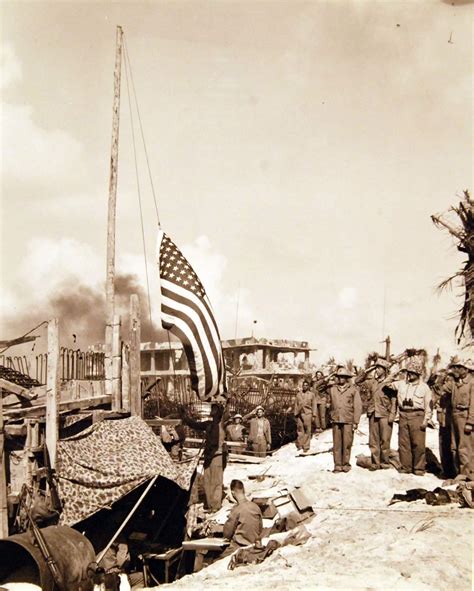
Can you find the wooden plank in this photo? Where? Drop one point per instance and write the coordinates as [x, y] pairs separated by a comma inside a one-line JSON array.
[[3, 481], [116, 365], [160, 422], [18, 341], [15, 430], [16, 389], [135, 378], [205, 544], [52, 390], [39, 410], [199, 441], [125, 377], [232, 457]]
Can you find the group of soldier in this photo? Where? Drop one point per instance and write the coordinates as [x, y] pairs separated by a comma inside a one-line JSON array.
[[336, 401], [403, 397]]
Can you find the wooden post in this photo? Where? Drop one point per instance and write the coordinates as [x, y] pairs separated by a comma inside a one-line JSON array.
[[3, 478], [52, 390], [125, 378], [116, 365], [387, 348], [110, 279], [135, 382]]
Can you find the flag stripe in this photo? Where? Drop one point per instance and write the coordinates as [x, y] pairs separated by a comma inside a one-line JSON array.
[[187, 312], [191, 348], [208, 364], [179, 312], [182, 296], [208, 306], [188, 349]]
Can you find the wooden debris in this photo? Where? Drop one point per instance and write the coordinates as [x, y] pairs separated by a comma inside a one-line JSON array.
[[16, 389], [233, 457]]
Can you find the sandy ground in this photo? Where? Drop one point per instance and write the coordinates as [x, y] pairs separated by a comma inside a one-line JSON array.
[[357, 540]]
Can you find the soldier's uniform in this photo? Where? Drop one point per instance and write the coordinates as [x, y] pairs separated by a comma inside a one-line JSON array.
[[443, 389], [320, 408], [214, 461], [345, 411], [381, 407], [260, 435], [462, 436], [305, 408], [414, 401], [235, 431]]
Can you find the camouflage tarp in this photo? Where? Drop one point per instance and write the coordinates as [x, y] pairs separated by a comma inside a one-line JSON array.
[[109, 459]]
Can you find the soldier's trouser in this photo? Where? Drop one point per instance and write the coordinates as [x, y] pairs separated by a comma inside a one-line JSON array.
[[320, 416], [303, 430], [411, 441], [380, 433], [212, 481], [342, 437], [462, 445], [260, 447], [446, 452]]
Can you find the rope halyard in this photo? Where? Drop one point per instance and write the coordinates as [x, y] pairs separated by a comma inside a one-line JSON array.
[[127, 69], [127, 57]]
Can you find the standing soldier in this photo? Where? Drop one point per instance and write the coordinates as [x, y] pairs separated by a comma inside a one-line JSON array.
[[462, 403], [381, 412], [260, 434], [320, 402], [214, 461], [304, 409], [442, 387], [414, 401], [346, 408], [235, 431]]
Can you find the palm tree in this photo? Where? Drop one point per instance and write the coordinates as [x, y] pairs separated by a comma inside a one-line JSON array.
[[461, 226]]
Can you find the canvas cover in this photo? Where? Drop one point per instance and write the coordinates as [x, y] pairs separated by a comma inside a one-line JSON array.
[[98, 466]]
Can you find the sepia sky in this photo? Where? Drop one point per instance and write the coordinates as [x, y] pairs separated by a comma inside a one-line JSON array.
[[297, 151]]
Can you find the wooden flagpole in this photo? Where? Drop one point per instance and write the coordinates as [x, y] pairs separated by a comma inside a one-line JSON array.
[[112, 386]]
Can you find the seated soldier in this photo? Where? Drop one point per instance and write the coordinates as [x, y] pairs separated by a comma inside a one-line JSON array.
[[244, 524]]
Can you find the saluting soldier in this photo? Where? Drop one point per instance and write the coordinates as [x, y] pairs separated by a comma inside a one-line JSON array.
[[381, 407], [260, 433], [235, 431], [320, 401], [303, 410], [414, 402], [345, 411]]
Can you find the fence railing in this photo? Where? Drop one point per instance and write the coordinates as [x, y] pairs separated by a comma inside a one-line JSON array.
[[74, 364]]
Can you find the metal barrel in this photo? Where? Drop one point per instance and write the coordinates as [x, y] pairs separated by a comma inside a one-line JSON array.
[[22, 561]]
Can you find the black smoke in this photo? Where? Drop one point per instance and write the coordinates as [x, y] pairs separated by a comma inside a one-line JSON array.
[[81, 313]]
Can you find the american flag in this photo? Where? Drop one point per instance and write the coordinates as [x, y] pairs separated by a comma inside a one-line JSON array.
[[187, 313]]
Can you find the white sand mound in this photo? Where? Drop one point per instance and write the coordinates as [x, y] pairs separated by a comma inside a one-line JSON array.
[[358, 541]]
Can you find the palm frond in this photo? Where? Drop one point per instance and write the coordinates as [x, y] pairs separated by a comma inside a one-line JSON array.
[[447, 283]]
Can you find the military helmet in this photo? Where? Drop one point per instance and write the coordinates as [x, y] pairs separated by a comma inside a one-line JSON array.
[[382, 363], [414, 367], [457, 362], [469, 364], [344, 372]]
